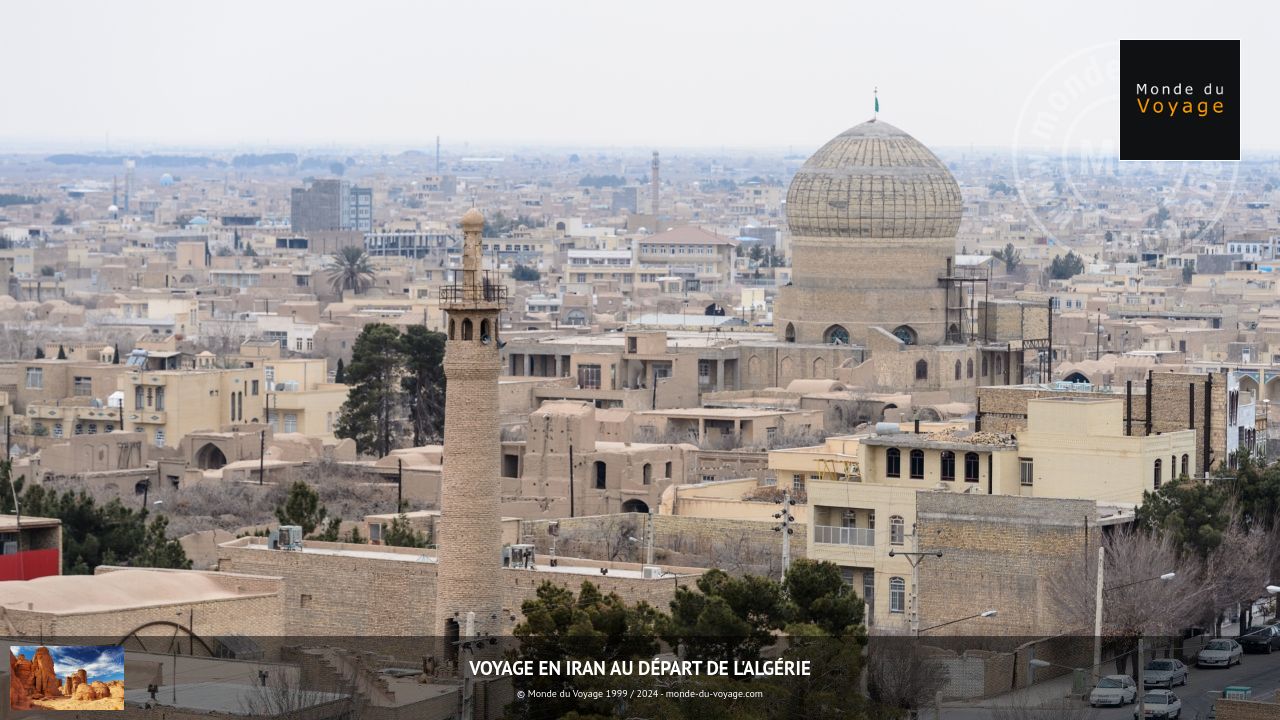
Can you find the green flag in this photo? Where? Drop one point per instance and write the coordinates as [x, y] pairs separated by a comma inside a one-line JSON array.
[[877, 103]]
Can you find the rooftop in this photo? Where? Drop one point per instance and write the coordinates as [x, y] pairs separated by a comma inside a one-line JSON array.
[[113, 591]]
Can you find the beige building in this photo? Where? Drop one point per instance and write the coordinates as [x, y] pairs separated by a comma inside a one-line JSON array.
[[166, 405]]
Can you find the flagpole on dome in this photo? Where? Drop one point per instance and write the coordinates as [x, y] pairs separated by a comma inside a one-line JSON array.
[[876, 94]]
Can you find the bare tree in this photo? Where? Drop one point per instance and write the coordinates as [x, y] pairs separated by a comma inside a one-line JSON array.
[[1236, 571], [900, 675], [282, 695], [1136, 603]]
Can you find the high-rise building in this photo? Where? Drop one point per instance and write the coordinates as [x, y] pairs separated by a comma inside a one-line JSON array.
[[331, 204]]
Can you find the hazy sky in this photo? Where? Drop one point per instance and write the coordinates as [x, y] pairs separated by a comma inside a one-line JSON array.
[[693, 73]]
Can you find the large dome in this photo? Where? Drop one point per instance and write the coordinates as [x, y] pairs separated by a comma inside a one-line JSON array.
[[874, 181]]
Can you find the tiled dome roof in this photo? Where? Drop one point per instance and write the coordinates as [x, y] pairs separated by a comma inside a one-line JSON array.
[[874, 181]]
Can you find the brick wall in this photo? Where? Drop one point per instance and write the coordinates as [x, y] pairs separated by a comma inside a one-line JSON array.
[[1247, 710], [998, 553]]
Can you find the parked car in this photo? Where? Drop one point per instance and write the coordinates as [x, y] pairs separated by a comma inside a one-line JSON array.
[[1164, 673], [1263, 639], [1222, 652], [1160, 704], [1114, 690]]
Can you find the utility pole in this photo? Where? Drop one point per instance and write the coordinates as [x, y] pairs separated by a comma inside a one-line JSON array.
[[571, 480], [399, 484], [784, 526], [262, 455], [1142, 705], [1097, 617], [648, 540], [915, 557]]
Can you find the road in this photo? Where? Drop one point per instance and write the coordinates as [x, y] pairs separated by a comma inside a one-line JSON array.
[[1260, 672]]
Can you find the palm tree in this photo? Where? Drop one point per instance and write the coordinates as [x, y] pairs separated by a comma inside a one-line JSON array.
[[350, 270]]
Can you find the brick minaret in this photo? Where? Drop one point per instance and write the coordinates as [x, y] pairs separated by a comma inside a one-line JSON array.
[[470, 538]]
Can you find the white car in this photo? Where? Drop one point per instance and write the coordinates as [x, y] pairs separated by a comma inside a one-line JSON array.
[[1164, 673], [1114, 690], [1160, 704], [1222, 652]]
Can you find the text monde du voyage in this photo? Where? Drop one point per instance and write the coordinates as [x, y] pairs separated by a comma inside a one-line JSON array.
[[1180, 99]]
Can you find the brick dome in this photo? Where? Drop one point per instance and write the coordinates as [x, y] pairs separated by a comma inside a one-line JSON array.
[[874, 181]]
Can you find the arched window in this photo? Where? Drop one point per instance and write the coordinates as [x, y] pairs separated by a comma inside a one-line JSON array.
[[1185, 461], [953, 333], [790, 333], [897, 595], [893, 463], [922, 369], [948, 465], [917, 464], [648, 474], [484, 331], [466, 329], [1157, 474], [897, 530], [968, 371], [971, 467], [836, 335], [957, 369], [906, 334], [984, 366], [999, 364], [453, 332], [600, 475]]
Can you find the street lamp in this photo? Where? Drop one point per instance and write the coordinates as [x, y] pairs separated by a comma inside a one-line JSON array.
[[1097, 613], [983, 614], [1273, 589]]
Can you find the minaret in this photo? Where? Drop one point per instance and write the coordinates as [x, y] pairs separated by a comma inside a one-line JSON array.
[[653, 187], [470, 537]]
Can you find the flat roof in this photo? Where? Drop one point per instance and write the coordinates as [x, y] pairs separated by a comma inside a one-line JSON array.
[[113, 591], [715, 413], [384, 554], [9, 523]]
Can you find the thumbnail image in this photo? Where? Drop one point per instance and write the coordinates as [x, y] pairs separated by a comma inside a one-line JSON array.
[[66, 677]]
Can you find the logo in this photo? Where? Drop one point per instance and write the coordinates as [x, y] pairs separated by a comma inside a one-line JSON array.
[[1179, 99]]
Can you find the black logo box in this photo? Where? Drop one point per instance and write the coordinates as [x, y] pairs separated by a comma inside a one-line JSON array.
[[1188, 65]]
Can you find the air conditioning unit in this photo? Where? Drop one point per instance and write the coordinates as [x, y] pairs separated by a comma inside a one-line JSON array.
[[651, 572], [290, 537]]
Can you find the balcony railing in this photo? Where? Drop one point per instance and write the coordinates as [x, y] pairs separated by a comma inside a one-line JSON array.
[[485, 292], [832, 535]]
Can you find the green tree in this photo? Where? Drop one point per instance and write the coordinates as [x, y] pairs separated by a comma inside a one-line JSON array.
[[249, 251], [1066, 266], [591, 626], [340, 374], [62, 353], [62, 218], [1010, 255], [726, 618], [39, 353], [94, 534], [115, 357], [423, 383], [351, 269], [1255, 490], [400, 533], [525, 273], [47, 271], [369, 414], [302, 507], [822, 598], [1193, 512]]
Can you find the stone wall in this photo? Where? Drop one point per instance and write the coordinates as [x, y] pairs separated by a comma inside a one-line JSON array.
[[736, 546]]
